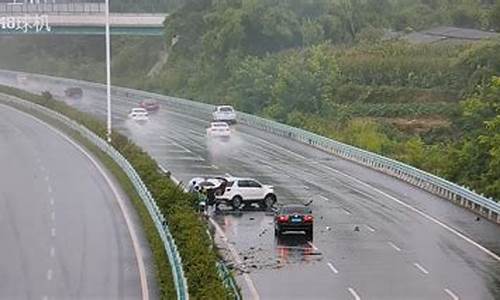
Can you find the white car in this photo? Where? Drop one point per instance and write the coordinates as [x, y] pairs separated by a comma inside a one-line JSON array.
[[138, 114], [219, 129], [240, 191], [224, 113]]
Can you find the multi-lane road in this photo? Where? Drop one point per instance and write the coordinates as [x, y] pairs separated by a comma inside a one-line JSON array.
[[409, 244], [63, 230]]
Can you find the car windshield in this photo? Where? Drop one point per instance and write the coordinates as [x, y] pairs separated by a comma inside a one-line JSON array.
[[295, 209], [226, 109]]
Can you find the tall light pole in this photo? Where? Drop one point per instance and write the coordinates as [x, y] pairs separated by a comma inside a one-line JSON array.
[[108, 72]]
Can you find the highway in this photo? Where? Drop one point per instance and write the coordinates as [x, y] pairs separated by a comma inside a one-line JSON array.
[[62, 229], [409, 244]]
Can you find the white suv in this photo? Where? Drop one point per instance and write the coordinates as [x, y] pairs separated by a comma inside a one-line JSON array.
[[240, 191], [224, 113]]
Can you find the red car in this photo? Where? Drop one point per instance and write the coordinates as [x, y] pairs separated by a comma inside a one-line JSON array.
[[293, 218], [149, 105]]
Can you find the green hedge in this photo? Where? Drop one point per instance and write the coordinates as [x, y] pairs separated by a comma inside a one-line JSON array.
[[188, 229]]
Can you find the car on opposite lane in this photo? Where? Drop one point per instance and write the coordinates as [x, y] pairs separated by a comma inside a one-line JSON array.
[[219, 130], [294, 218]]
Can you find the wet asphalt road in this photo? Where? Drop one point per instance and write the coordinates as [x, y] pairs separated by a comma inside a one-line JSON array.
[[398, 253], [62, 233]]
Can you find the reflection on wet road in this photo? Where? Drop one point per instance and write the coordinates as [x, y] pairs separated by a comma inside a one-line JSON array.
[[366, 245]]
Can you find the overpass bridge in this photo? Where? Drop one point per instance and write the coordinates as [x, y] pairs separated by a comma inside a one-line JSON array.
[[75, 19]]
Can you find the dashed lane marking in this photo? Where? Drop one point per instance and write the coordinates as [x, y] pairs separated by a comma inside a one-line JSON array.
[[394, 246], [451, 294], [330, 265], [370, 228], [422, 269], [313, 246], [354, 294], [346, 211]]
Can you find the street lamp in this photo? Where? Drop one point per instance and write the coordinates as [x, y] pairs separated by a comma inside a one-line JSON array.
[[108, 72]]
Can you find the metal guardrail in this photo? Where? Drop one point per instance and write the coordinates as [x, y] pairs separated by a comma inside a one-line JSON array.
[[460, 195], [153, 209], [52, 8]]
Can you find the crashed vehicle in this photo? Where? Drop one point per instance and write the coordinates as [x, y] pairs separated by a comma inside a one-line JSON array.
[[246, 191]]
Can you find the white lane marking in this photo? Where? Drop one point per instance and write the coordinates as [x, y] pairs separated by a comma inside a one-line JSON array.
[[312, 246], [370, 228], [52, 251], [451, 294], [53, 232], [46, 178], [164, 151], [44, 297], [49, 274], [53, 216], [416, 210], [394, 246], [215, 167], [353, 293], [346, 211], [330, 265], [189, 158], [52, 201], [181, 146], [324, 198], [49, 188], [422, 269], [237, 258]]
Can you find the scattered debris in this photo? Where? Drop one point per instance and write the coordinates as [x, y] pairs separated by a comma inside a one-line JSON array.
[[356, 228]]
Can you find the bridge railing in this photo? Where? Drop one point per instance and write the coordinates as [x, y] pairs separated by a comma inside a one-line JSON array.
[[157, 216], [460, 195], [52, 8]]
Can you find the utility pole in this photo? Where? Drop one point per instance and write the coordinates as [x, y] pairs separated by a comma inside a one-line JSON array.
[[108, 73]]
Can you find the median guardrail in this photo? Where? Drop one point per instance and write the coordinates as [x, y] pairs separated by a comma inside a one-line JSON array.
[[460, 195], [158, 218]]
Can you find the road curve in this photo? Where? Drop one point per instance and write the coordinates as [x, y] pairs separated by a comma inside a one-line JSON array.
[[409, 244], [63, 234]]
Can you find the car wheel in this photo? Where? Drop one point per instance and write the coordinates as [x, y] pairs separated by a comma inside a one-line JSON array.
[[236, 202], [269, 201], [310, 233]]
